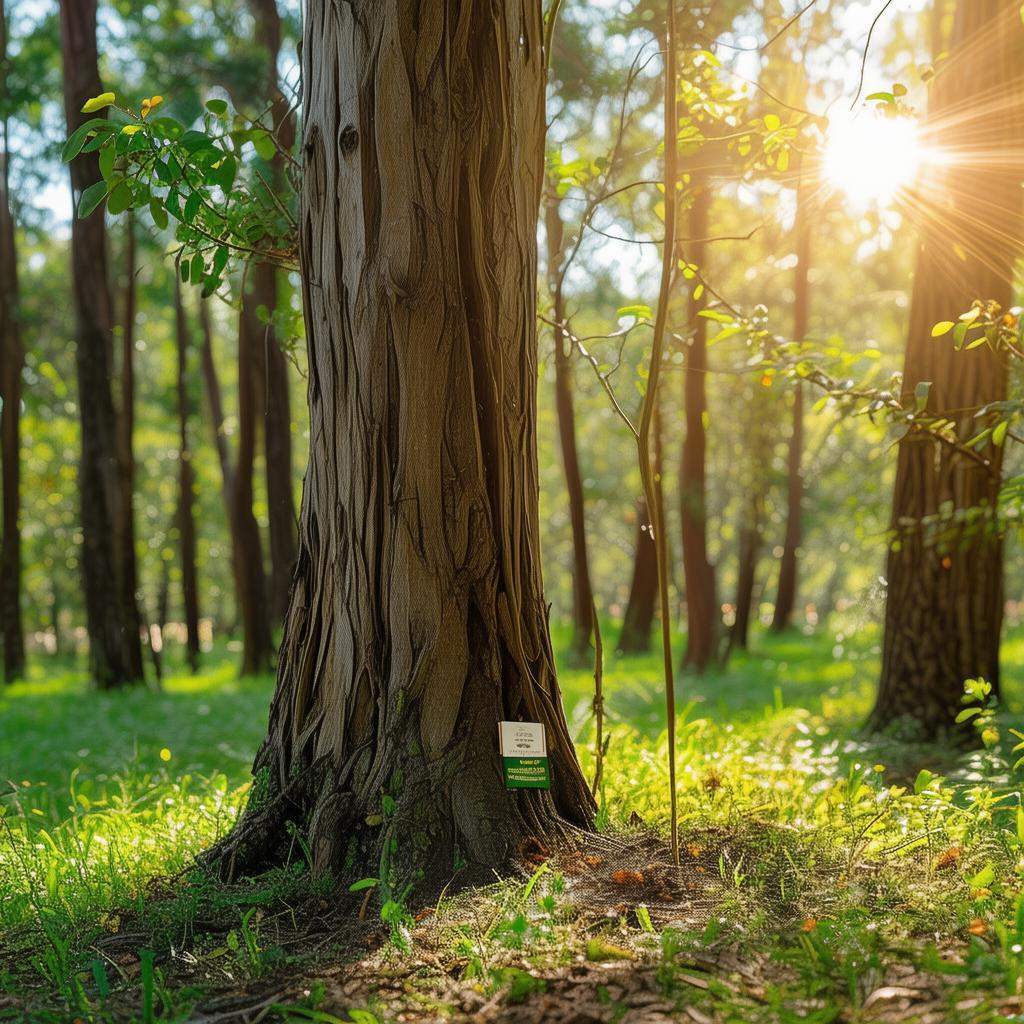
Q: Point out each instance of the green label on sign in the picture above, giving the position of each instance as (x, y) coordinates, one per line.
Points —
(524, 755)
(526, 773)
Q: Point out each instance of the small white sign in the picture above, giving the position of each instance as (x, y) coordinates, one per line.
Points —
(522, 739)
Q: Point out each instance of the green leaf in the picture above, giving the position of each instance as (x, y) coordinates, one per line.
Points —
(983, 878)
(192, 205)
(880, 97)
(220, 260)
(923, 781)
(218, 107)
(158, 213)
(120, 198)
(193, 141)
(363, 883)
(265, 147)
(107, 157)
(78, 138)
(967, 714)
(942, 327)
(91, 198)
(197, 269)
(224, 173)
(999, 434)
(98, 102)
(637, 309)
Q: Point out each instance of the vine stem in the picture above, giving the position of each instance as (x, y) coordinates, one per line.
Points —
(647, 410)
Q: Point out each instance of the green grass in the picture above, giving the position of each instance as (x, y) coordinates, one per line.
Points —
(843, 856)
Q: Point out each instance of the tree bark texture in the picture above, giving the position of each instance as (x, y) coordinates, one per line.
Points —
(115, 653)
(12, 361)
(944, 604)
(186, 489)
(702, 613)
(785, 596)
(270, 362)
(417, 619)
(582, 592)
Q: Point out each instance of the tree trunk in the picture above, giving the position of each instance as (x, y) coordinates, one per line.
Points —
(12, 361)
(750, 550)
(115, 653)
(186, 487)
(246, 548)
(582, 594)
(785, 597)
(417, 619)
(125, 435)
(945, 597)
(702, 614)
(635, 637)
(269, 361)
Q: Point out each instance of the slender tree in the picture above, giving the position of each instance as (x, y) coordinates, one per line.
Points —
(12, 361)
(582, 593)
(125, 426)
(237, 493)
(269, 361)
(186, 488)
(944, 603)
(417, 619)
(785, 598)
(115, 654)
(702, 616)
(638, 620)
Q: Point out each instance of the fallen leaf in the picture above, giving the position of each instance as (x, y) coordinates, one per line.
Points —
(626, 877)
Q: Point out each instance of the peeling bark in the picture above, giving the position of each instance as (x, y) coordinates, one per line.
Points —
(944, 605)
(417, 619)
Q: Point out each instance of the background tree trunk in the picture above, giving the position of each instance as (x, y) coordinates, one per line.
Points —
(635, 637)
(749, 552)
(12, 361)
(269, 361)
(785, 597)
(944, 604)
(702, 614)
(125, 433)
(417, 620)
(246, 550)
(115, 653)
(186, 486)
(257, 640)
(582, 593)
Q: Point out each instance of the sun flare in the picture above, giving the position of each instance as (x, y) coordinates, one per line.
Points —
(871, 157)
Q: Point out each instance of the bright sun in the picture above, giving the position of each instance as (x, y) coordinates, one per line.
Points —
(871, 157)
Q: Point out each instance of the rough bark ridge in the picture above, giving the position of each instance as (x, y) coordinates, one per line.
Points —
(115, 653)
(186, 486)
(702, 614)
(417, 619)
(582, 592)
(269, 361)
(945, 605)
(785, 597)
(12, 360)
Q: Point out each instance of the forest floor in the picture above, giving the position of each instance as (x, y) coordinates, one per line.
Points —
(826, 876)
